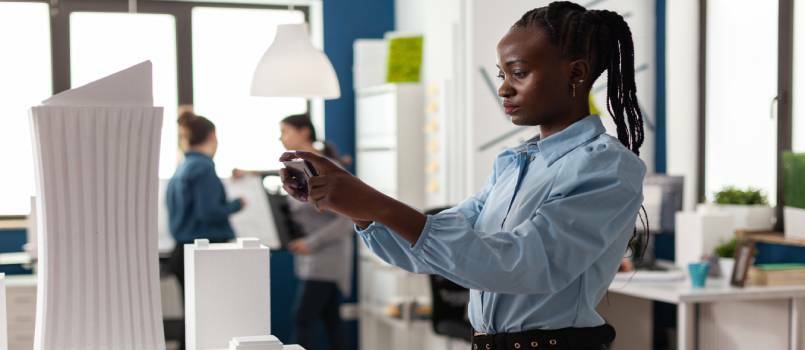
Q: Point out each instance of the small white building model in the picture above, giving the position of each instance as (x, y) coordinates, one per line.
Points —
(226, 292)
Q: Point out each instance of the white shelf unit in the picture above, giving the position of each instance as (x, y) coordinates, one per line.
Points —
(390, 152)
(390, 146)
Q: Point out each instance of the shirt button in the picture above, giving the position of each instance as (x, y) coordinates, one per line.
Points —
(532, 158)
(534, 344)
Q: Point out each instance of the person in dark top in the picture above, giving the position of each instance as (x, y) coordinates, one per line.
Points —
(196, 200)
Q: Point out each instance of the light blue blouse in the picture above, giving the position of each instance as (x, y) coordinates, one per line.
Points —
(540, 243)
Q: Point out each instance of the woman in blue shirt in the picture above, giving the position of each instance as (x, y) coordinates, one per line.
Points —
(539, 245)
(197, 203)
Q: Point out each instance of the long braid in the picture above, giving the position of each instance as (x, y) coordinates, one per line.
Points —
(605, 40)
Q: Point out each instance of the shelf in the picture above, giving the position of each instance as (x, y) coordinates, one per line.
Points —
(775, 238)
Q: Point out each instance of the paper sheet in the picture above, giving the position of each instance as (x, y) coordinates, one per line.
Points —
(129, 87)
(255, 220)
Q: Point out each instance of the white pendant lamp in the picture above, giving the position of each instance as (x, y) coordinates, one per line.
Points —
(292, 67)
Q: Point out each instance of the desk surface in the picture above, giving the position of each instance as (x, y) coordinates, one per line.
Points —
(714, 291)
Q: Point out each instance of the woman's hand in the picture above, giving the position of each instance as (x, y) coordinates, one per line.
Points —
(337, 190)
(334, 189)
(298, 246)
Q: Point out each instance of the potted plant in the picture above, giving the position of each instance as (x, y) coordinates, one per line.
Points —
(749, 208)
(726, 257)
(794, 194)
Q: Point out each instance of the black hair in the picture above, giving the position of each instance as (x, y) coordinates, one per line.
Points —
(303, 121)
(604, 39)
(198, 128)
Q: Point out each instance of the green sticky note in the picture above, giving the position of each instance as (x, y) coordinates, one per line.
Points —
(404, 60)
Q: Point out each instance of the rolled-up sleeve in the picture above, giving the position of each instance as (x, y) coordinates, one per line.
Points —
(544, 254)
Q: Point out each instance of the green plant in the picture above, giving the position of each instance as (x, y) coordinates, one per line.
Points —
(794, 179)
(734, 195)
(726, 249)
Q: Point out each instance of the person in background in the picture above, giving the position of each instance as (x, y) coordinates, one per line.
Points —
(195, 196)
(324, 256)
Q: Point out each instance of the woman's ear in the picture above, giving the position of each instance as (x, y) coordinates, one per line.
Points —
(580, 72)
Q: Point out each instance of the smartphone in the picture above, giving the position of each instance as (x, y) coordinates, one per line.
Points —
(300, 171)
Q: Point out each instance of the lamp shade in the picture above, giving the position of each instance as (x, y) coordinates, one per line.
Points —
(292, 67)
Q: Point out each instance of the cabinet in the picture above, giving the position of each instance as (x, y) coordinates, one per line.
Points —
(390, 141)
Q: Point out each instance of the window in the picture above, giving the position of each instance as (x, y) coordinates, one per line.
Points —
(247, 127)
(741, 131)
(26, 81)
(103, 43)
(798, 140)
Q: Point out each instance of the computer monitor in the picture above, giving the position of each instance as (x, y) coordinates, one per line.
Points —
(662, 198)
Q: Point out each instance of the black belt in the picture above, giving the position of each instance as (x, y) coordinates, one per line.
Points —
(593, 338)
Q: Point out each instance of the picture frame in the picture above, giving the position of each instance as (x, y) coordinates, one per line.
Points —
(744, 258)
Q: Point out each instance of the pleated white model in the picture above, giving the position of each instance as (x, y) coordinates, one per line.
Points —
(96, 156)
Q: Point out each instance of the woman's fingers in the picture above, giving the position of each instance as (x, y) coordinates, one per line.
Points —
(321, 164)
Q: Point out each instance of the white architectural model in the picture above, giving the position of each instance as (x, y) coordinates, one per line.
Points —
(264, 342)
(3, 323)
(226, 292)
(96, 155)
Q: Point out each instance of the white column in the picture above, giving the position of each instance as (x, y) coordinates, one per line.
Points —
(682, 93)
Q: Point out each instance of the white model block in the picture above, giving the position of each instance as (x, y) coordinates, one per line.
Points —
(292, 347)
(794, 222)
(260, 342)
(226, 292)
(96, 157)
(3, 322)
(698, 234)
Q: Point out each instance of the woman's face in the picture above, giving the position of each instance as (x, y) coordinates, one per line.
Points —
(294, 138)
(535, 79)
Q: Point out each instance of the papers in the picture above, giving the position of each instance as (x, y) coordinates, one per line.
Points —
(255, 220)
(96, 153)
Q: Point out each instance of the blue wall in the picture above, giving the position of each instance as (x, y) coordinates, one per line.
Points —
(345, 21)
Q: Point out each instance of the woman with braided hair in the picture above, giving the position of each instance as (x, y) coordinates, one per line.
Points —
(540, 243)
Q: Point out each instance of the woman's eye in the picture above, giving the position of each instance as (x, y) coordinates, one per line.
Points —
(501, 76)
(519, 74)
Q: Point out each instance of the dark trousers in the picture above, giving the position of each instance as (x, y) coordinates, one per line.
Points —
(319, 300)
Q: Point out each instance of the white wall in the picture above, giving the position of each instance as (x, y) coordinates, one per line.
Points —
(682, 93)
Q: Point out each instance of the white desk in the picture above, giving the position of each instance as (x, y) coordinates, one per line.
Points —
(719, 316)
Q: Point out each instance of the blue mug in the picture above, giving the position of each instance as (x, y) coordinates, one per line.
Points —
(698, 273)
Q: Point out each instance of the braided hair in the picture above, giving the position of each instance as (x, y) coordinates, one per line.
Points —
(604, 39)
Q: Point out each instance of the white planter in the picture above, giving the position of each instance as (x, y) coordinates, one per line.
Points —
(750, 217)
(698, 233)
(726, 265)
(794, 222)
